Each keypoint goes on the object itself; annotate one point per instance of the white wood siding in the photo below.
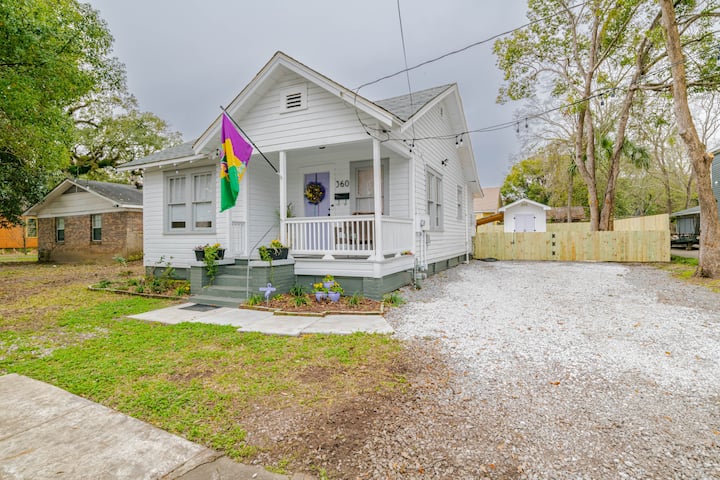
(451, 241)
(263, 197)
(78, 203)
(326, 120)
(174, 248)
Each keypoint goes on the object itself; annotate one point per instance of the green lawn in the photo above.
(195, 380)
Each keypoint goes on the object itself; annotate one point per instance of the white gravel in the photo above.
(568, 370)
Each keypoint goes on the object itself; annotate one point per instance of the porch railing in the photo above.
(353, 235)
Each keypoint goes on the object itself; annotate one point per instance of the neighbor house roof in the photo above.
(489, 203)
(121, 195)
(687, 212)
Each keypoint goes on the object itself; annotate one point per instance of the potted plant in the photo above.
(328, 281)
(320, 291)
(200, 251)
(335, 291)
(275, 251)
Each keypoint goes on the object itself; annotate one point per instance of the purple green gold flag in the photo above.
(236, 155)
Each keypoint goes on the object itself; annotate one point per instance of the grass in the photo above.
(17, 256)
(685, 268)
(196, 380)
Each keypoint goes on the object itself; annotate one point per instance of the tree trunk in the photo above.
(709, 258)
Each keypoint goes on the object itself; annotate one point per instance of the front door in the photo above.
(317, 187)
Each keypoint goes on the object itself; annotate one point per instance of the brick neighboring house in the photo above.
(89, 221)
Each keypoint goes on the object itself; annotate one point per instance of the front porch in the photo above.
(359, 236)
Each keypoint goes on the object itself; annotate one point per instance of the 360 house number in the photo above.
(342, 183)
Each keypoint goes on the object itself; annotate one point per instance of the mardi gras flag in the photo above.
(236, 155)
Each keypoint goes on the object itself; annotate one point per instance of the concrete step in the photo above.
(236, 269)
(230, 280)
(216, 301)
(234, 291)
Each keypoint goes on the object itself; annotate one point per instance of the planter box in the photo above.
(200, 254)
(278, 254)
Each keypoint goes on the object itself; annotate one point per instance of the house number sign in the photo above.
(342, 183)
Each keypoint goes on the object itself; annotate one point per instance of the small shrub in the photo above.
(255, 299)
(120, 259)
(140, 289)
(182, 288)
(102, 284)
(297, 290)
(301, 300)
(355, 299)
(393, 299)
(277, 296)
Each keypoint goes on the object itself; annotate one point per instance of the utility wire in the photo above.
(460, 50)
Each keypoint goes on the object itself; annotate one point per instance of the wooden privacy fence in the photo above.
(643, 239)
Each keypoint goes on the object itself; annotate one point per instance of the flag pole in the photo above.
(250, 139)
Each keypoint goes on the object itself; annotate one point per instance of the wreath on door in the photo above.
(314, 192)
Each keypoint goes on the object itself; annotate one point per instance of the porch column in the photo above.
(282, 174)
(377, 198)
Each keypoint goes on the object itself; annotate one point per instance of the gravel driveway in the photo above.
(568, 370)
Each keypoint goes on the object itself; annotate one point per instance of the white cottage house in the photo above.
(398, 178)
(525, 216)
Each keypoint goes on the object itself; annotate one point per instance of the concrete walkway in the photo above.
(266, 322)
(48, 433)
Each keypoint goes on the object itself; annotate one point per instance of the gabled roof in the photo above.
(524, 201)
(391, 112)
(281, 61)
(405, 106)
(123, 196)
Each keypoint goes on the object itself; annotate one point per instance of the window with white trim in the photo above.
(96, 222)
(434, 199)
(202, 200)
(190, 201)
(59, 229)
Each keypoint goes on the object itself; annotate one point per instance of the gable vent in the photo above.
(294, 98)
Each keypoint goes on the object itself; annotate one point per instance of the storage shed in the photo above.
(525, 215)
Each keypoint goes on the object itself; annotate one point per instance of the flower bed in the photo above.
(285, 304)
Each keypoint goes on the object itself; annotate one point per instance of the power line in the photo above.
(460, 50)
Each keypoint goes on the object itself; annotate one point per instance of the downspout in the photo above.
(467, 225)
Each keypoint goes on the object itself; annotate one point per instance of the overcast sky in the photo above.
(185, 58)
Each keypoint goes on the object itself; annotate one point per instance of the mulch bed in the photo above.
(285, 303)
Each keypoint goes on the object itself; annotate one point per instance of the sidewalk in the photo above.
(266, 322)
(48, 433)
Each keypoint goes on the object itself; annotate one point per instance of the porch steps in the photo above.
(216, 301)
(228, 290)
